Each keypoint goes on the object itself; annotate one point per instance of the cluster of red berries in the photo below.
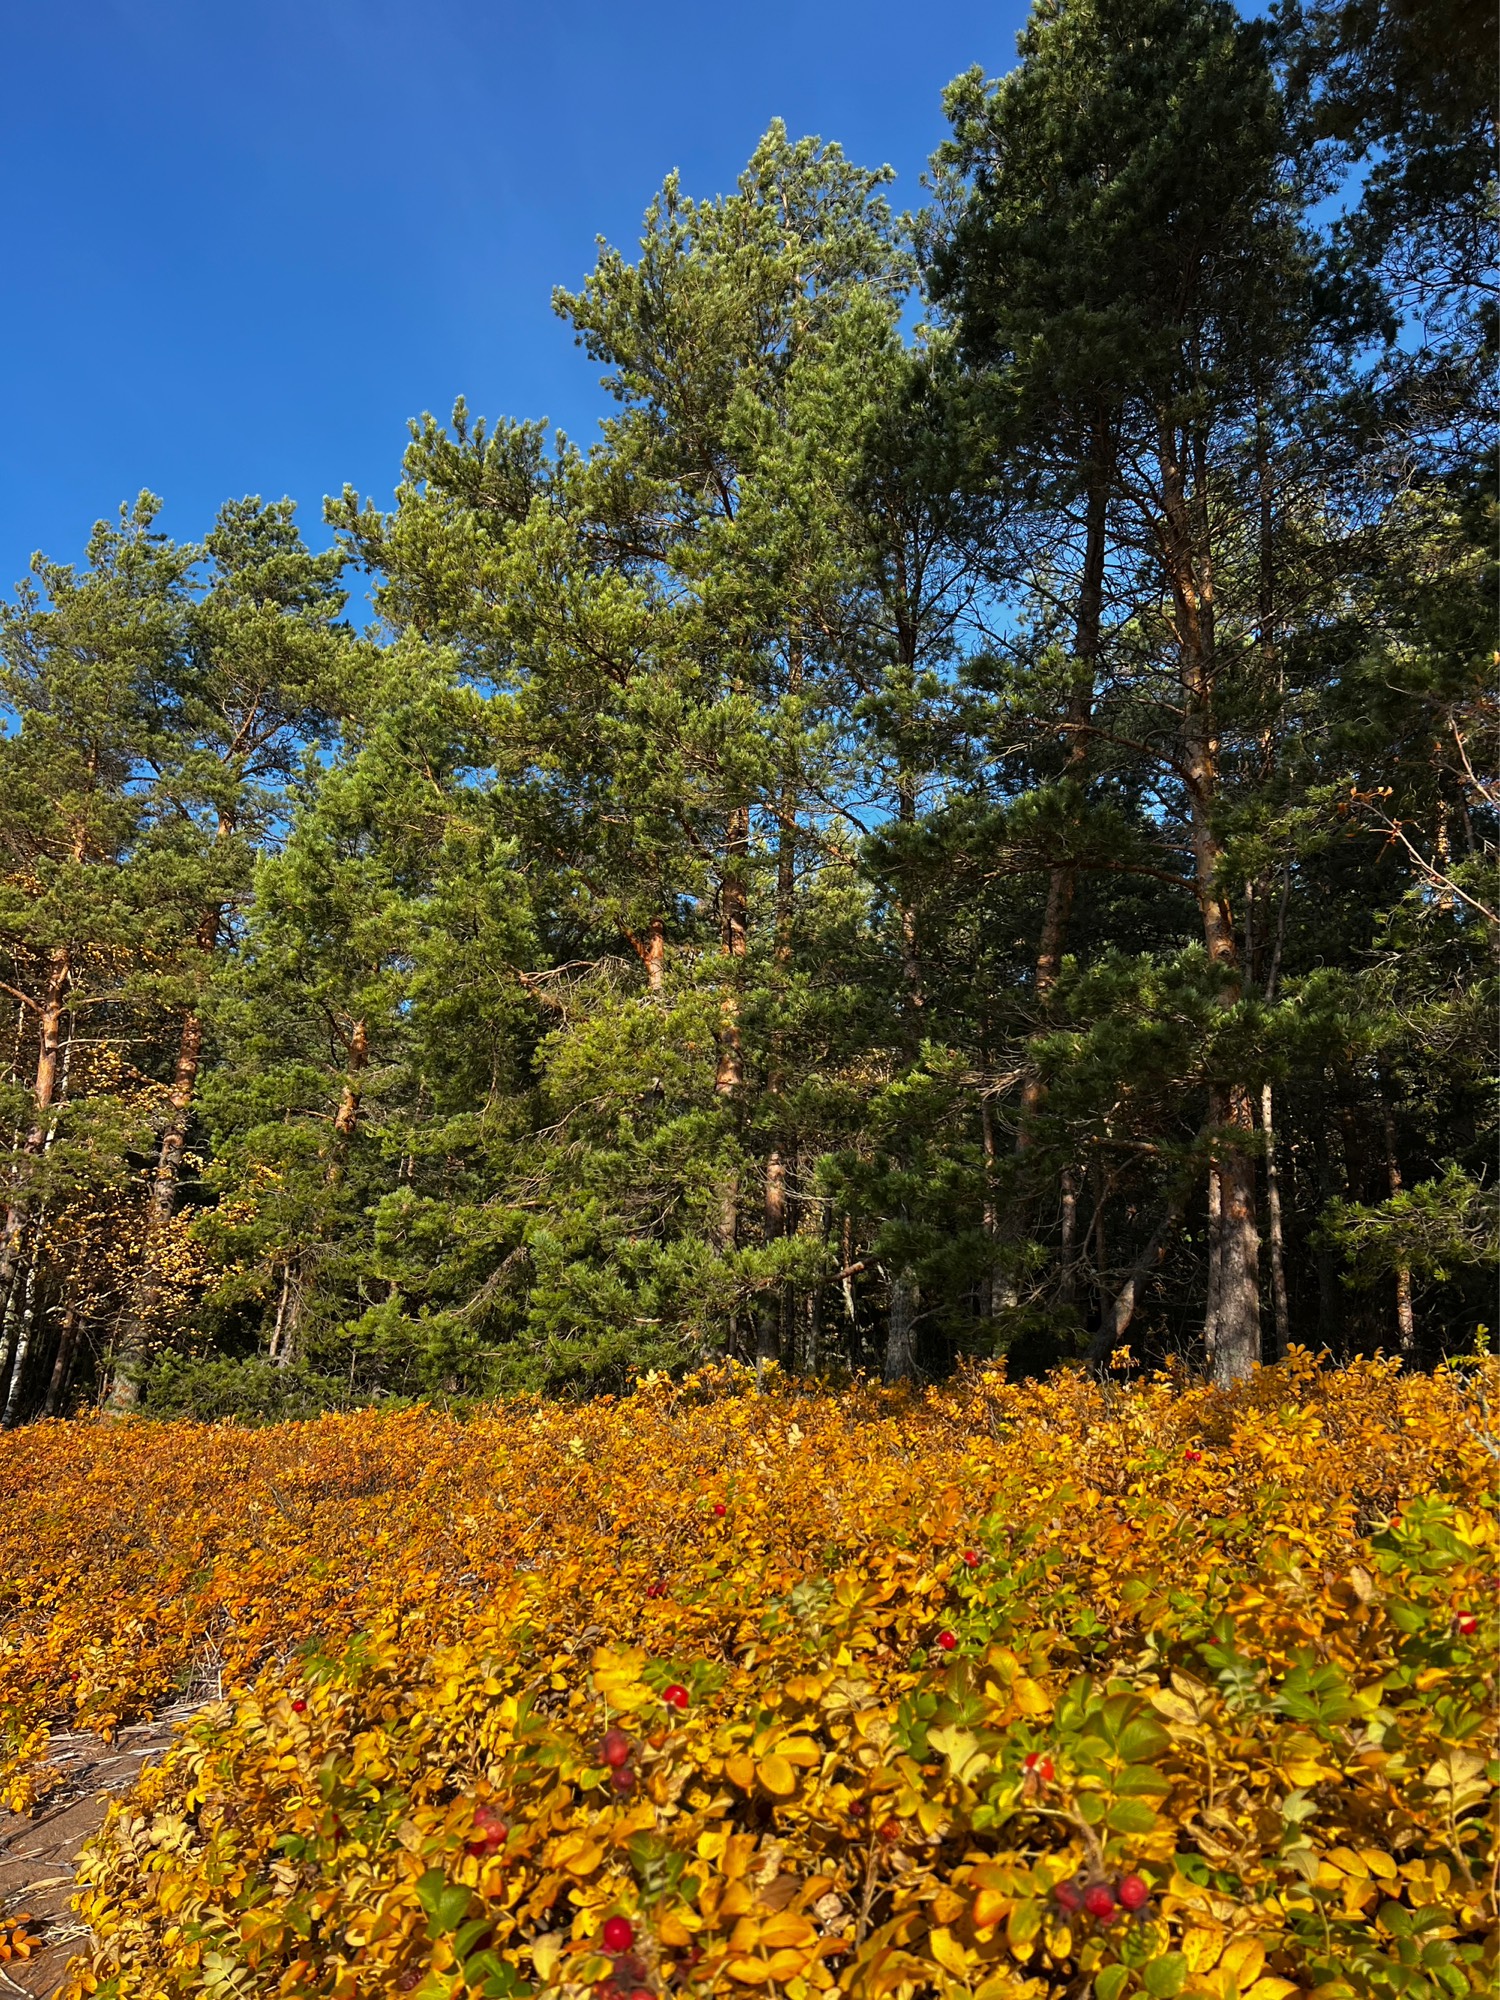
(627, 1979)
(615, 1750)
(1193, 1457)
(1038, 1767)
(615, 1745)
(1100, 1899)
(489, 1833)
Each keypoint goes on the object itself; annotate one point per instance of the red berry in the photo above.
(1193, 1457)
(623, 1780)
(1467, 1623)
(675, 1696)
(616, 1747)
(947, 1641)
(490, 1831)
(1067, 1894)
(299, 1706)
(1133, 1893)
(653, 1590)
(971, 1557)
(719, 1507)
(1099, 1900)
(619, 1934)
(890, 1829)
(1039, 1766)
(641, 1993)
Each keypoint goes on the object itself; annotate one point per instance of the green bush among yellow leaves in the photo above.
(1058, 1689)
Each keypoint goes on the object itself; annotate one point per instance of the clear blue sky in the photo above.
(244, 240)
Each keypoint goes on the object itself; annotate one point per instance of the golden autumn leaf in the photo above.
(1201, 1947)
(749, 1971)
(777, 1776)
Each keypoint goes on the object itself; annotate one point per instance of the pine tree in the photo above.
(79, 908)
(263, 666)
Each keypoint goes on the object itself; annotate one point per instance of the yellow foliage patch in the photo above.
(648, 1696)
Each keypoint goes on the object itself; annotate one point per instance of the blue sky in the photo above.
(243, 243)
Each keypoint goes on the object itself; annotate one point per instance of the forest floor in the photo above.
(38, 1850)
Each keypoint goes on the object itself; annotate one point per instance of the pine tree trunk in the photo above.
(135, 1331)
(184, 1086)
(999, 1289)
(134, 1334)
(730, 1074)
(775, 1320)
(733, 937)
(346, 1118)
(1406, 1326)
(770, 1327)
(1273, 1227)
(1214, 1287)
(911, 954)
(1234, 1341)
(1236, 1351)
(652, 952)
(44, 1091)
(656, 956)
(10, 1325)
(1067, 1278)
(1062, 881)
(900, 1358)
(62, 1366)
(14, 1402)
(288, 1313)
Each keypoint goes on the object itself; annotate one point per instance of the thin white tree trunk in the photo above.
(1273, 1226)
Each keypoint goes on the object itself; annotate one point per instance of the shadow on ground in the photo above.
(38, 1850)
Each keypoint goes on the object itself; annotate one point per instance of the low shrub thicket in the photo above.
(1053, 1689)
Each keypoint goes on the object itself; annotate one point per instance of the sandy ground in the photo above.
(37, 1851)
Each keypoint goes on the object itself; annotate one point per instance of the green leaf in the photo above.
(1130, 1816)
(1164, 1977)
(1024, 1922)
(1142, 1781)
(496, 1978)
(446, 1903)
(1111, 1982)
(1143, 1739)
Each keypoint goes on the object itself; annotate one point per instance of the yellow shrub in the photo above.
(1054, 1689)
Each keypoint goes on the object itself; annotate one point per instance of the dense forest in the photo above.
(964, 823)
